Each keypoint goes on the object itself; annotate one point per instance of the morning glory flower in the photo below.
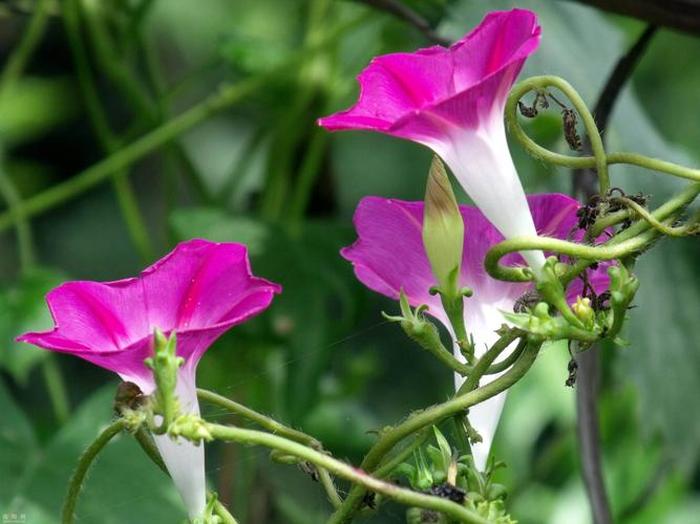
(389, 256)
(452, 100)
(200, 290)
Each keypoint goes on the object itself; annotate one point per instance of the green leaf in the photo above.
(18, 446)
(33, 106)
(217, 225)
(23, 309)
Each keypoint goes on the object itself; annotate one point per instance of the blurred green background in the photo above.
(262, 173)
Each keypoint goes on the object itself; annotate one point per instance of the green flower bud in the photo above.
(443, 229)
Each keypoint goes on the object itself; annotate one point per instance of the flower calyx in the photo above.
(623, 287)
(192, 427)
(165, 365)
(541, 325)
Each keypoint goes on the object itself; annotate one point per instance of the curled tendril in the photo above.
(627, 242)
(600, 159)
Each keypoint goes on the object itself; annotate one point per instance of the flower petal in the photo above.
(417, 96)
(199, 290)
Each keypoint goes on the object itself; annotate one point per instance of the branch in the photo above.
(408, 15)
(683, 15)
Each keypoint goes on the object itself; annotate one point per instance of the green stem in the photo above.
(25, 239)
(504, 364)
(346, 471)
(390, 465)
(608, 251)
(221, 511)
(428, 417)
(539, 83)
(308, 172)
(86, 460)
(489, 357)
(581, 162)
(644, 214)
(261, 420)
(14, 67)
(129, 154)
(56, 387)
(126, 199)
(329, 487)
(31, 37)
(153, 112)
(226, 96)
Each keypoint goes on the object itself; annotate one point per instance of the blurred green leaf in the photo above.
(33, 106)
(340, 424)
(216, 225)
(18, 446)
(23, 309)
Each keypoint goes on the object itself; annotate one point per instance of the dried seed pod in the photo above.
(569, 120)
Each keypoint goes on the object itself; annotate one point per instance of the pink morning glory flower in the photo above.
(389, 256)
(200, 290)
(452, 100)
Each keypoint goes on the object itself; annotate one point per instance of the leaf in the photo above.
(218, 226)
(33, 106)
(18, 446)
(23, 309)
(317, 303)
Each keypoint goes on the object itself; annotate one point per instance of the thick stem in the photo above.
(588, 431)
(86, 460)
(261, 420)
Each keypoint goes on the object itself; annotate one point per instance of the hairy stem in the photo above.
(425, 418)
(86, 460)
(346, 471)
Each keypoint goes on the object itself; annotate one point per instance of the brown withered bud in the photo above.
(569, 120)
(128, 396)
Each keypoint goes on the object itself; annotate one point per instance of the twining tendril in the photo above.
(600, 159)
(629, 241)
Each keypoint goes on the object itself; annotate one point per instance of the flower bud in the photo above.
(583, 310)
(443, 229)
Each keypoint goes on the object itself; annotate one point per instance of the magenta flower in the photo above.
(389, 256)
(199, 290)
(452, 100)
